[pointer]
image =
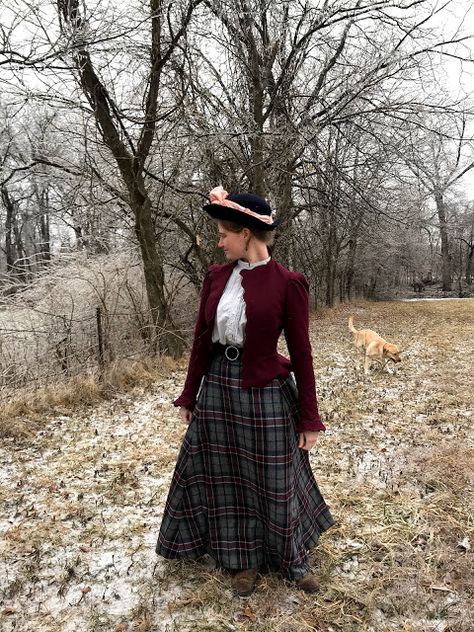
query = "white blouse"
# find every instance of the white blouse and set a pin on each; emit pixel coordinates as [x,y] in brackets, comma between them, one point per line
[229,325]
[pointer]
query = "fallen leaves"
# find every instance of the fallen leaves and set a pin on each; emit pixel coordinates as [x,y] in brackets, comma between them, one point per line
[142,625]
[248,613]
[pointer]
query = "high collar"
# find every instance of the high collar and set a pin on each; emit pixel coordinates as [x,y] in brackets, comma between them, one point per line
[220,273]
[245,265]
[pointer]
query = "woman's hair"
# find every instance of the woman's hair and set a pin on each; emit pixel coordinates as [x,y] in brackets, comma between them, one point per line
[266,236]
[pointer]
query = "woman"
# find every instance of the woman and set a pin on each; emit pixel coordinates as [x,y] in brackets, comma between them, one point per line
[243,490]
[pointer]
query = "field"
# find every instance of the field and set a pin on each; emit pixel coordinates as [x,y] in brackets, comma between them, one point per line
[82,499]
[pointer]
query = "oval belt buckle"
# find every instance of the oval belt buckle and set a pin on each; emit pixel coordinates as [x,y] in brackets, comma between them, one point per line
[237,352]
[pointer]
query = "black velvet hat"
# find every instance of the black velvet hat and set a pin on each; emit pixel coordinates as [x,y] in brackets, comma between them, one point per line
[246,209]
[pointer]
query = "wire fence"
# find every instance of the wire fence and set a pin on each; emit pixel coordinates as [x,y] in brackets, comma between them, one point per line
[39,348]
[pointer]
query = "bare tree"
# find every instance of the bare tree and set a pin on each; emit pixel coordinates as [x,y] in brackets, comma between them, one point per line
[441,153]
[131,156]
[287,71]
[305,103]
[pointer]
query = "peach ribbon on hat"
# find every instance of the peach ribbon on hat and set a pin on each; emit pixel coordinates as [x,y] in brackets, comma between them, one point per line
[219,196]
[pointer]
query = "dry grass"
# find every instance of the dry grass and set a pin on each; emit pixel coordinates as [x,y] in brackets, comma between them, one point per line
[24,412]
[84,497]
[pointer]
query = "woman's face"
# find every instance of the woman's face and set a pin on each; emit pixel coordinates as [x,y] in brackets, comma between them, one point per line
[233,244]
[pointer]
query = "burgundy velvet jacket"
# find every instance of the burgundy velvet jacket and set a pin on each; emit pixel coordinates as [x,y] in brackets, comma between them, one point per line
[275,300]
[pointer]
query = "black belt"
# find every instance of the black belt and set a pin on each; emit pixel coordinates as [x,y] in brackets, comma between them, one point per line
[231,352]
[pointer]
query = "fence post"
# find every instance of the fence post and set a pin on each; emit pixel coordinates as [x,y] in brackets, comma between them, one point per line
[100,339]
[62,347]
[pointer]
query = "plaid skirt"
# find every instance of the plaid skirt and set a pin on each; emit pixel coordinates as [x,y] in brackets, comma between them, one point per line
[242,491]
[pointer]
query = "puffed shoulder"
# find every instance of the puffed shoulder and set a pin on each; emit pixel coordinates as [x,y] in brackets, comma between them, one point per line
[297,280]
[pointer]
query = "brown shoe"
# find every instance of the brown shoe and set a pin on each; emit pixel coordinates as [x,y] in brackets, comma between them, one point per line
[243,582]
[308,583]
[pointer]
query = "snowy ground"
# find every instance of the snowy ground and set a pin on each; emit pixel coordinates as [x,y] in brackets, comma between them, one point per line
[82,500]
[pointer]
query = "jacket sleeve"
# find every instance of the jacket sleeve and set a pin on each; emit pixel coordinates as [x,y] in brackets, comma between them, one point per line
[296,329]
[199,355]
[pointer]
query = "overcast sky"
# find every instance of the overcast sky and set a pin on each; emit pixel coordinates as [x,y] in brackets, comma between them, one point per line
[455,19]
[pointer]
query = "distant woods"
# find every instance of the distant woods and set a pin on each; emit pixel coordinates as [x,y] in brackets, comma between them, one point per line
[117,119]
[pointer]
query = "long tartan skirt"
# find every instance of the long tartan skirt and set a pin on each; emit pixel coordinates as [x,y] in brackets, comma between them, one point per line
[242,490]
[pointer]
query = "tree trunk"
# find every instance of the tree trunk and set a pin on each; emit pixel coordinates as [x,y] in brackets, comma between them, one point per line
[14,248]
[445,249]
[284,204]
[10,209]
[45,238]
[469,265]
[131,157]
[257,172]
[44,254]
[332,254]
[154,275]
[371,287]
[350,268]
[330,277]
